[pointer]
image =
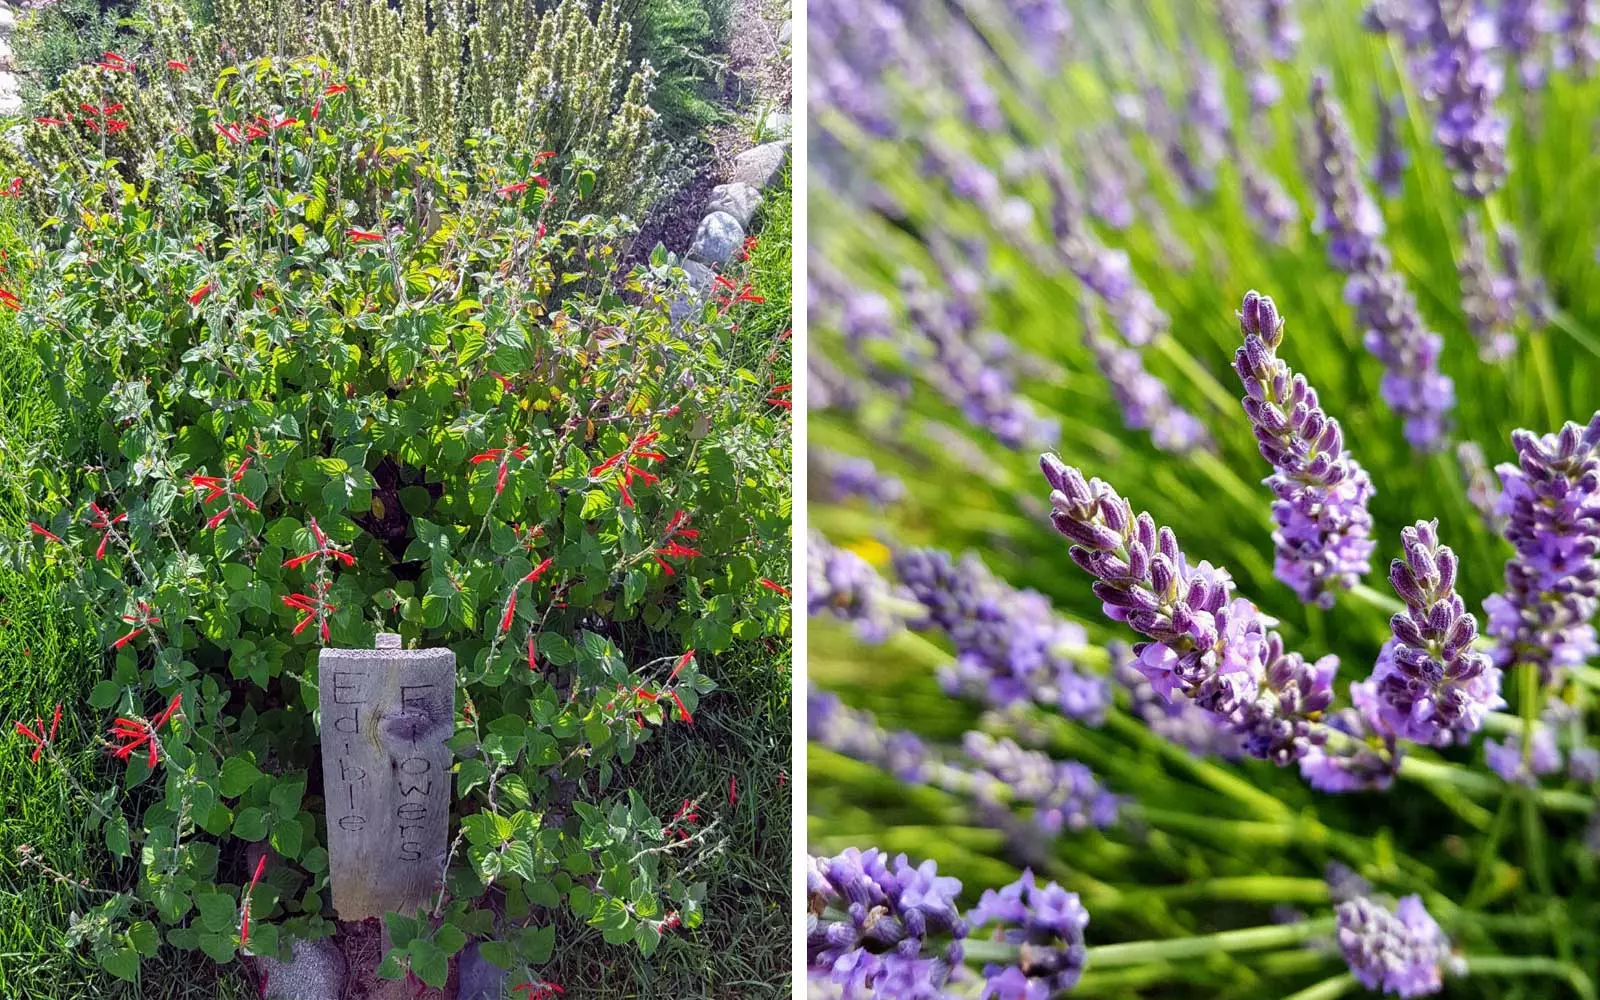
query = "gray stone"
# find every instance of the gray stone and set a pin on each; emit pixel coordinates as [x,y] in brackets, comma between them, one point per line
[774,125]
[786,33]
[762,165]
[479,979]
[716,241]
[738,200]
[700,276]
[316,972]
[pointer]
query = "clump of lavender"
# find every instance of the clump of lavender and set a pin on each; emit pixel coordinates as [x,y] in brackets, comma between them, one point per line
[1432,685]
[1389,169]
[1281,28]
[1197,176]
[1010,644]
[1047,924]
[1045,25]
[1551,500]
[1324,533]
[837,477]
[1110,171]
[1207,116]
[1400,951]
[1214,647]
[856,734]
[1175,718]
[1521,28]
[1482,490]
[1487,297]
[1412,384]
[892,914]
[841,583]
[1142,397]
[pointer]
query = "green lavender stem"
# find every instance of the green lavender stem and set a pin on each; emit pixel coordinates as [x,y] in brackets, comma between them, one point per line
[1328,989]
[1129,953]
[1530,965]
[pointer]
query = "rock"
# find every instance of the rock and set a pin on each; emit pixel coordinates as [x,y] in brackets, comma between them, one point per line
[716,241]
[8,19]
[786,33]
[761,166]
[774,125]
[316,972]
[8,59]
[700,276]
[737,199]
[479,979]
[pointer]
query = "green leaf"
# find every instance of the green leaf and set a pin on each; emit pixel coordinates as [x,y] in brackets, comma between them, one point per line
[429,963]
[104,695]
[145,938]
[122,963]
[218,911]
[117,836]
[251,823]
[238,774]
[220,947]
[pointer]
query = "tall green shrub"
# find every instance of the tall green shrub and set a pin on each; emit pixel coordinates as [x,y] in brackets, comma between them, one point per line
[339,386]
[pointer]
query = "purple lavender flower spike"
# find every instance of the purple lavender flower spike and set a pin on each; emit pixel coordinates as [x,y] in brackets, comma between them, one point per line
[1272,212]
[1109,171]
[1583,765]
[843,584]
[1367,760]
[1433,687]
[1412,384]
[1389,170]
[1456,72]
[1142,397]
[1010,644]
[1107,273]
[856,734]
[1047,924]
[1531,297]
[1505,757]
[1487,297]
[881,946]
[1214,647]
[1398,952]
[1208,116]
[1576,47]
[1551,499]
[1324,534]
[1246,46]
[1045,25]
[1522,26]
[837,477]
[1177,718]
[1064,793]
[1483,491]
[1282,30]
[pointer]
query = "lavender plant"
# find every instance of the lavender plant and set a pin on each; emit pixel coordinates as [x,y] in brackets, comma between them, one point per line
[1269,705]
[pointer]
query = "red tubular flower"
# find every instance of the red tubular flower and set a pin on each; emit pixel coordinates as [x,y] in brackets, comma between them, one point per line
[43,532]
[683,661]
[40,739]
[324,550]
[548,154]
[778,588]
[14,189]
[683,710]
[539,991]
[316,609]
[47,120]
[141,619]
[625,459]
[511,611]
[218,517]
[178,64]
[199,293]
[504,457]
[363,235]
[733,789]
[135,733]
[113,63]
[335,88]
[533,661]
[228,132]
[511,189]
[104,523]
[261,867]
[9,301]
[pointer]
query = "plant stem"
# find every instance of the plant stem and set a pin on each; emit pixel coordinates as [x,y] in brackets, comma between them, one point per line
[1383,602]
[1473,783]
[1110,956]
[1526,965]
[1336,986]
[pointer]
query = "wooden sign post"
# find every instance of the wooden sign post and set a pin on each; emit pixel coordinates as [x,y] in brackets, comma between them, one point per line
[386,714]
